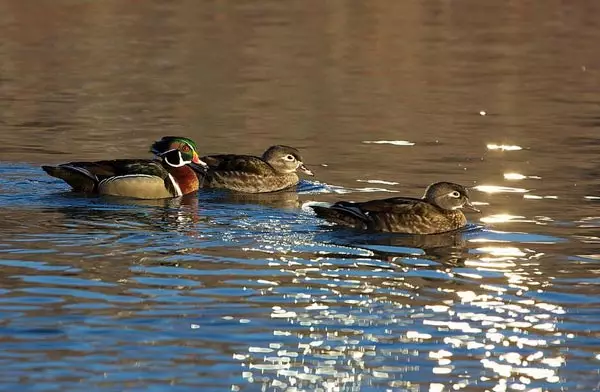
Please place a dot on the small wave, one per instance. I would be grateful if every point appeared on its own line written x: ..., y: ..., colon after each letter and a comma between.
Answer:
x: 392, y: 142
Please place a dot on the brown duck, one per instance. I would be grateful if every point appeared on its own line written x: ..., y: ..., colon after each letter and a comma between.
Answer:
x: 438, y: 211
x: 274, y: 171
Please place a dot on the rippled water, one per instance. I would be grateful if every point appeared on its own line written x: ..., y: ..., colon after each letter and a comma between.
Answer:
x: 226, y: 292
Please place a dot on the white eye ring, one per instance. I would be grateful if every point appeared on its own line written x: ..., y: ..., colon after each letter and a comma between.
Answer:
x: 289, y: 158
x: 455, y: 194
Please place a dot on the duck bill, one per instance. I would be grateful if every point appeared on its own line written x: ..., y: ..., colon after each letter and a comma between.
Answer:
x: 198, y: 164
x: 305, y: 170
x: 470, y: 207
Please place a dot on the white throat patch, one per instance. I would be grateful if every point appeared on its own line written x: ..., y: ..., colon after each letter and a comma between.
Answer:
x: 181, y: 163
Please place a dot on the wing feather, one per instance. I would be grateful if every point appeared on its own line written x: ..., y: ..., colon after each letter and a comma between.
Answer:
x: 237, y: 163
x: 86, y: 176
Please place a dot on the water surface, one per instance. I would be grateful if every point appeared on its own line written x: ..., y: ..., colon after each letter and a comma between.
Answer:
x: 222, y: 292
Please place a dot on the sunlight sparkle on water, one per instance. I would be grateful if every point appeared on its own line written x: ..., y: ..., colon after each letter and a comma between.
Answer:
x: 417, y: 335
x: 514, y: 176
x: 503, y: 218
x: 343, y: 190
x: 502, y: 251
x: 436, y: 387
x: 453, y: 325
x: 504, y: 147
x: 379, y: 182
x: 537, y: 197
x: 439, y: 354
x: 519, y: 176
x: 499, y: 189
x: 392, y: 142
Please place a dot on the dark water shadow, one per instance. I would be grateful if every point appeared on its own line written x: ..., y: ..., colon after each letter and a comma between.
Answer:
x: 177, y: 214
x: 283, y: 199
x: 449, y: 249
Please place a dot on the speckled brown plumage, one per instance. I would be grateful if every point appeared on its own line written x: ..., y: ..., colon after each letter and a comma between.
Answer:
x: 274, y: 171
x: 438, y: 211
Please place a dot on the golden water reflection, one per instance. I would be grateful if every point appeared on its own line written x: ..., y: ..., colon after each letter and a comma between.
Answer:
x: 503, y: 147
x: 499, y: 189
x: 486, y: 309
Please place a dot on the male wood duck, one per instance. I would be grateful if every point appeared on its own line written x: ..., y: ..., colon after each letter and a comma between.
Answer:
x: 274, y: 171
x: 166, y: 143
x: 438, y: 211
x: 166, y: 177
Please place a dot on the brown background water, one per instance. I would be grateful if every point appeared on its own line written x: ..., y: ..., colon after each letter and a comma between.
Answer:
x: 248, y: 294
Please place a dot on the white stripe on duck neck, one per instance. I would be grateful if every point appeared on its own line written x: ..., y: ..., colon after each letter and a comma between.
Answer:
x: 176, y: 186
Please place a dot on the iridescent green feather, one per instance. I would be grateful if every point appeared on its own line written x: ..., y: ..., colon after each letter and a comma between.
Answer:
x: 165, y: 143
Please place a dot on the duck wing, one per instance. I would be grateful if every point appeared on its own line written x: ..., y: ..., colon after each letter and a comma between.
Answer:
x: 398, y: 214
x: 237, y: 163
x: 243, y: 173
x: 405, y: 215
x: 396, y: 205
x: 87, y: 176
x: 345, y: 213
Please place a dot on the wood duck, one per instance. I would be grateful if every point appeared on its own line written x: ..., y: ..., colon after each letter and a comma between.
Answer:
x: 438, y: 211
x: 166, y: 143
x: 274, y: 171
x: 166, y: 177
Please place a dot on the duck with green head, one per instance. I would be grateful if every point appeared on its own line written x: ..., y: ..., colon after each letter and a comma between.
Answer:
x: 166, y: 143
x: 168, y: 176
x: 277, y: 168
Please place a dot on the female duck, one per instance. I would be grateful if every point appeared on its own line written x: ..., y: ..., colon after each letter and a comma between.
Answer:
x: 438, y: 211
x: 275, y: 170
x: 169, y: 176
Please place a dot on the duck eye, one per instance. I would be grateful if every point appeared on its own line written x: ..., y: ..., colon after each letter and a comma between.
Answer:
x: 185, y: 148
x: 455, y: 194
x: 289, y: 158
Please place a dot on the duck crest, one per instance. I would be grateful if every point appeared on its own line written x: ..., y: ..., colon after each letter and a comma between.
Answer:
x: 169, y: 142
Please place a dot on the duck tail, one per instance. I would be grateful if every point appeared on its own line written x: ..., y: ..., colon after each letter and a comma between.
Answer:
x: 339, y: 216
x: 78, y: 178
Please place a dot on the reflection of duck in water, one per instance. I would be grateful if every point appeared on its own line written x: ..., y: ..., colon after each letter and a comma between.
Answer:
x: 282, y: 199
x: 179, y: 214
x: 449, y: 248
x: 446, y: 248
x: 438, y: 211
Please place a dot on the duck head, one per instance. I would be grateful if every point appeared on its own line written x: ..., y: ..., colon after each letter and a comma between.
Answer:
x: 449, y: 196
x: 187, y: 148
x: 185, y: 145
x: 285, y: 159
